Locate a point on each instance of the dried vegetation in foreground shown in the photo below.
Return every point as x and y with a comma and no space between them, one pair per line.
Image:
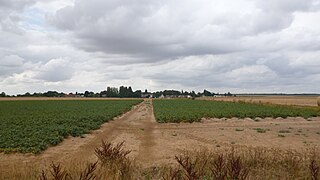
235,162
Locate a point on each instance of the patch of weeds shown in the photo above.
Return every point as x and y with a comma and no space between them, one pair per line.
260,130
232,142
284,131
142,129
239,129
281,135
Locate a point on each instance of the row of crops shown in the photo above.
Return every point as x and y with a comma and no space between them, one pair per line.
32,126
179,110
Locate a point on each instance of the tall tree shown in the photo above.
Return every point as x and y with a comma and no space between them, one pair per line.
3,94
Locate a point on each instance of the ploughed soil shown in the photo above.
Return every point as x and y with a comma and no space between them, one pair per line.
154,144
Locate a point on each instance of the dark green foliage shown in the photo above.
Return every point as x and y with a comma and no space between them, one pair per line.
46,94
3,94
179,110
31,126
125,92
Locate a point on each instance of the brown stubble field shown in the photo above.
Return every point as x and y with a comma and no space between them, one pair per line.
153,144
282,100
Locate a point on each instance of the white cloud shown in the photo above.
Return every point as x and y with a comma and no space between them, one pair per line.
55,70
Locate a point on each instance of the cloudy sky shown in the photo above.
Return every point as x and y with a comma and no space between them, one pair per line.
220,45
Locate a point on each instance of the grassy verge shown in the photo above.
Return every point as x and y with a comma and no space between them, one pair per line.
232,162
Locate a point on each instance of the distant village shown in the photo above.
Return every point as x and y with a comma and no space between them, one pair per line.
124,92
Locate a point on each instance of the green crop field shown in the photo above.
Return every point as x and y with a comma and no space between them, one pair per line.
31,126
178,110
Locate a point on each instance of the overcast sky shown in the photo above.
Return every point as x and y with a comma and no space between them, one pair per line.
219,45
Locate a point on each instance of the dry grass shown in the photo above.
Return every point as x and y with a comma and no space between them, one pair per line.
234,162
284,100
112,163
246,163
318,101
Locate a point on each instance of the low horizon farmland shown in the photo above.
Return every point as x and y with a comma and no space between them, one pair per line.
137,146
32,126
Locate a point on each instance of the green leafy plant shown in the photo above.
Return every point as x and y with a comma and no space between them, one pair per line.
33,126
183,110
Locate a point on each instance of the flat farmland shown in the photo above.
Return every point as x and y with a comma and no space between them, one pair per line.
32,126
154,145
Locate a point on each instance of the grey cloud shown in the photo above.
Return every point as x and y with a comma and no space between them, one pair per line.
152,30
10,14
287,5
15,4
277,15
10,64
11,61
243,46
148,29
266,76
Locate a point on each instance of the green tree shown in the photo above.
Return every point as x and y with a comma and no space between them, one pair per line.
112,92
137,93
207,93
3,94
86,94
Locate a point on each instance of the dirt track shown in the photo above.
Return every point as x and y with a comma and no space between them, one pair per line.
152,143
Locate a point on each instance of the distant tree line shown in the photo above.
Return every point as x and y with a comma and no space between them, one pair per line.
46,94
121,92
186,93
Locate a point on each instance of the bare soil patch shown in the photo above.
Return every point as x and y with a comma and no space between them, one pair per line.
154,144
